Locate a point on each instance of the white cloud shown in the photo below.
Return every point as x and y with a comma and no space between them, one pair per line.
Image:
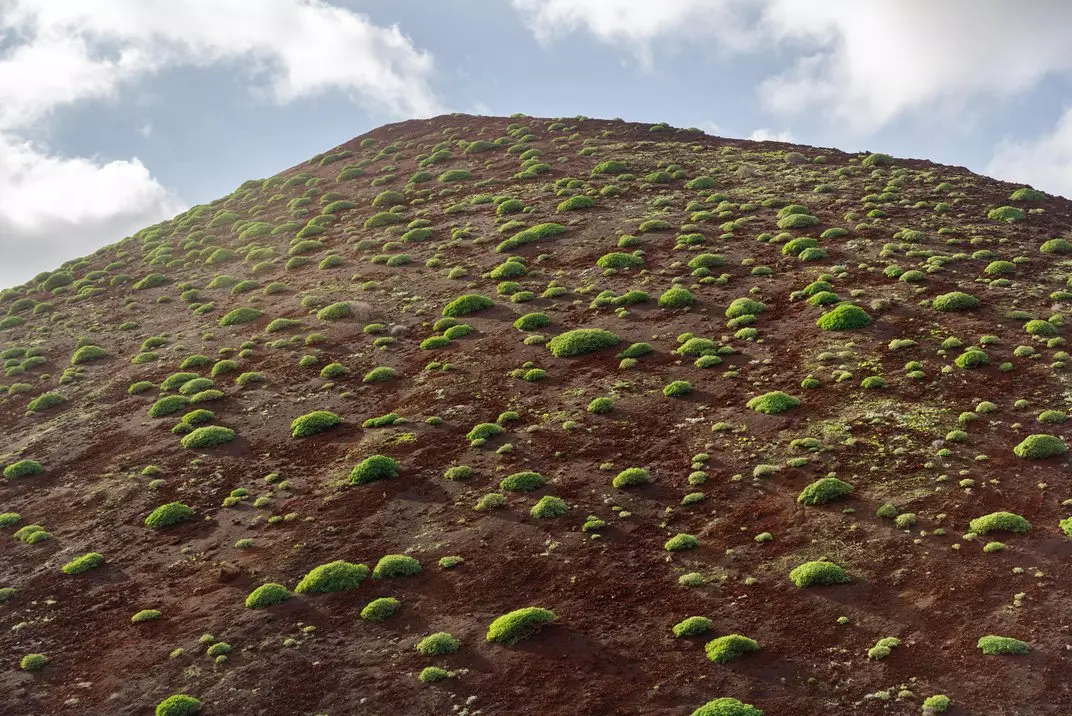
765,135
863,64
56,208
1044,162
56,53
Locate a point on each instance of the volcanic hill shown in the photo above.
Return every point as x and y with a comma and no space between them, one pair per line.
499,416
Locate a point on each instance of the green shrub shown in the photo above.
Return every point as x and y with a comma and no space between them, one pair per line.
824,490
681,541
955,301
522,482
381,609
313,423
267,595
1065,525
844,317
549,506
167,515
1008,214
374,467
530,235
972,358
433,674
469,303
240,316
581,341
744,307
392,566
519,624
86,354
727,706
1008,521
731,647
46,401
483,431
797,221
812,574
84,563
33,662
676,297
208,437
9,519
334,370
610,167
150,281
146,615
532,322
379,374
693,626
1044,329
992,645
1039,447
453,175
601,405
939,703
23,468
618,260
677,388
438,644
337,576
383,218
773,403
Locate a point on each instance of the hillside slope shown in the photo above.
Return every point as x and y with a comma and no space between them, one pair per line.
799,355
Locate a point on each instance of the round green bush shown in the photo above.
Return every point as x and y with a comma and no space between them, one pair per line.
84,563
575,202
337,576
745,307
167,515
581,341
812,574
955,301
33,662
631,477
469,303
532,322
939,703
381,609
1045,329
731,647
438,644
676,297
727,706
335,311
433,674
972,358
372,468
773,403
677,388
844,317
549,506
619,260
519,624
483,431
178,705
693,626
207,437
1008,521
1039,447
23,468
46,401
396,565
601,405
681,541
240,316
313,423
88,353
267,595
992,645
522,482
824,490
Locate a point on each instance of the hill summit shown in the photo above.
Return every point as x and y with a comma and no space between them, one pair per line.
548,416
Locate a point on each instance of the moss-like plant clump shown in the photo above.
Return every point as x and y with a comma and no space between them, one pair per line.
438,644
549,506
392,566
337,576
381,609
729,648
955,301
1040,447
992,645
1007,521
469,303
241,316
267,595
844,317
519,624
631,477
167,515
823,490
23,468
727,706
581,341
773,403
373,468
314,423
821,574
84,563
693,626
207,437
681,542
522,482
178,705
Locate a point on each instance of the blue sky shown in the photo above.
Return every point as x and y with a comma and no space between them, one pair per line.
117,113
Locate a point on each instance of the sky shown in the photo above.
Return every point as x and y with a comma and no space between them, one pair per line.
116,114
